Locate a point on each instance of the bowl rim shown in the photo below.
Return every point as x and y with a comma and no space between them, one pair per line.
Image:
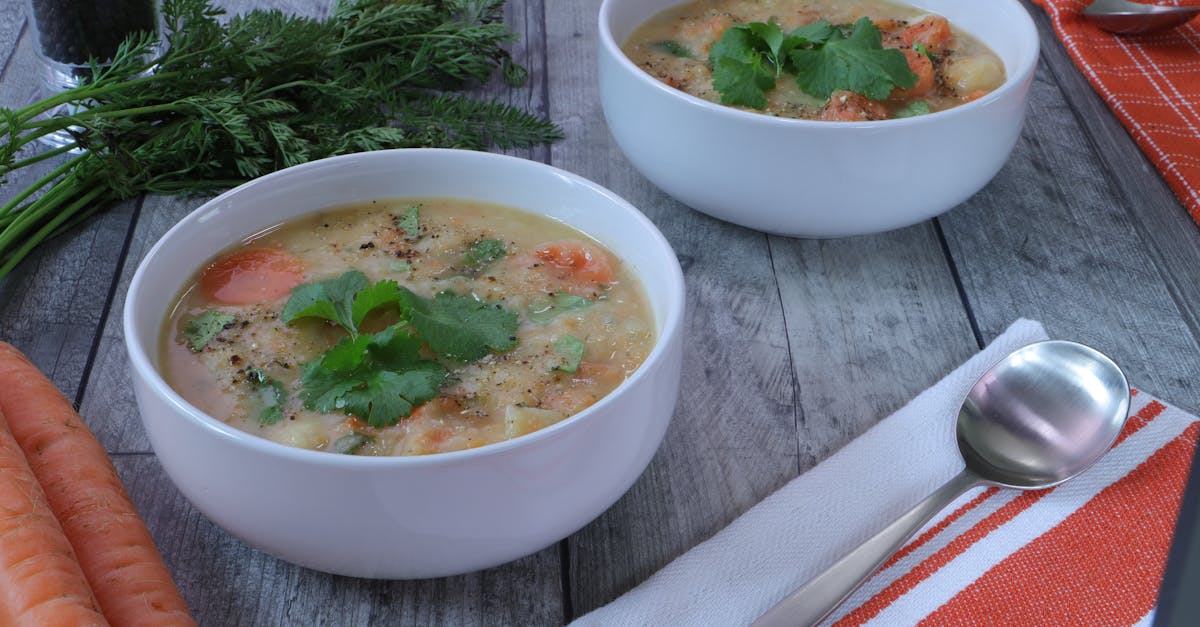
1025,27
142,365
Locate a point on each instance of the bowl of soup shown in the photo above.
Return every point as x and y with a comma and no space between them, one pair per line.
407,364
816,118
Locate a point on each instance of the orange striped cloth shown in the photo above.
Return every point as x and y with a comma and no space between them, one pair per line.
1090,551
1152,84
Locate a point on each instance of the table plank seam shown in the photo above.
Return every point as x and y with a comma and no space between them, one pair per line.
1116,181
958,284
797,406
118,272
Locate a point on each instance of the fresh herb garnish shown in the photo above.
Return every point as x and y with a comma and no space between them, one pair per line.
748,59
201,329
271,393
673,47
408,222
920,47
914,108
542,312
232,98
482,254
570,348
381,377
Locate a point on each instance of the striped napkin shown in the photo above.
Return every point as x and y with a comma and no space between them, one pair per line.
1088,552
1152,84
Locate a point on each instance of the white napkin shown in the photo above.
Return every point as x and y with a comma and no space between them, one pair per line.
810,523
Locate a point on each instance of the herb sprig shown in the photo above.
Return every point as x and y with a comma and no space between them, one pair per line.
381,377
749,59
232,100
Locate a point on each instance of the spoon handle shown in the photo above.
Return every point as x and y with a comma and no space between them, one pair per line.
817,599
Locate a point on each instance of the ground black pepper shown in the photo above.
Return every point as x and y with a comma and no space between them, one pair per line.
73,31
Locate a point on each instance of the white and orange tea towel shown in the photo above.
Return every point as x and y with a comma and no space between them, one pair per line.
1088,552
1151,82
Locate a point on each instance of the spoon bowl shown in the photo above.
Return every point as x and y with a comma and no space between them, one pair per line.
1038,417
1133,18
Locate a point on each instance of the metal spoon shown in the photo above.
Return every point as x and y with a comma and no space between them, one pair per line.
1133,18
1040,416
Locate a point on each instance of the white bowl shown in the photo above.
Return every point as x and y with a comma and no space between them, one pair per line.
408,517
807,178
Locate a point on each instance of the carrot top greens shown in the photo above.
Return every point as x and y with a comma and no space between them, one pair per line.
230,99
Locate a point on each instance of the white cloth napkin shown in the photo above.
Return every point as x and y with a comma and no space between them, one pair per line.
811,522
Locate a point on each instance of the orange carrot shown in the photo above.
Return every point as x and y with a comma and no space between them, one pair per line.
847,106
115,550
923,68
252,276
933,32
578,260
40,580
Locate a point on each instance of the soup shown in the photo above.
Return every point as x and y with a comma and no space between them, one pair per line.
406,327
800,58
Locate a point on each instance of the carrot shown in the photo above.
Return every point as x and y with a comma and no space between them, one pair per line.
847,106
40,580
252,276
923,68
933,32
577,260
115,550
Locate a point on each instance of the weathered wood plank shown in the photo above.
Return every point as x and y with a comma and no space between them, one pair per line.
871,322
732,440
51,306
1052,239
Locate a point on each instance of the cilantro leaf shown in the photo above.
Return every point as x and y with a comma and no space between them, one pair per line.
408,222
813,33
332,299
271,394
201,329
673,48
482,254
771,36
571,349
395,348
543,312
742,68
381,397
371,298
914,108
463,328
386,396
920,47
858,63
347,354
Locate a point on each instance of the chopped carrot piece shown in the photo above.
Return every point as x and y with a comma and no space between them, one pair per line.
847,106
252,276
923,68
933,32
573,259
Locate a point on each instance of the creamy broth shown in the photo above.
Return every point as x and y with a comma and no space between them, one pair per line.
674,48
558,282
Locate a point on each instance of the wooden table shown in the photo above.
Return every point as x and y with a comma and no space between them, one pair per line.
793,347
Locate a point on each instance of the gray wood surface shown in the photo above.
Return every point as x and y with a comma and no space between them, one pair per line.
793,347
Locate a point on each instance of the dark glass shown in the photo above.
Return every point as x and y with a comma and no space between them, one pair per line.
71,32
